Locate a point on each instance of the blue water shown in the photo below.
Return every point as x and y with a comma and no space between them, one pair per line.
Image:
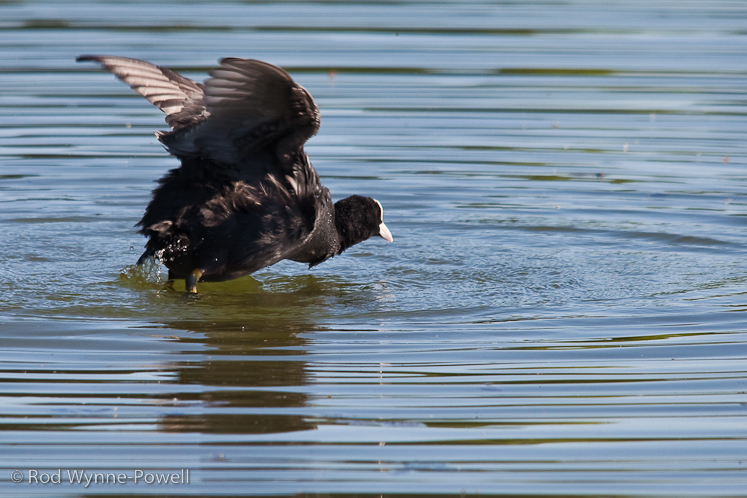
560,312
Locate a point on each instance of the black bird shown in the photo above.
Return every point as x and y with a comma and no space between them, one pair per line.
245,195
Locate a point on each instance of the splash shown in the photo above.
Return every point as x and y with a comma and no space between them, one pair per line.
148,274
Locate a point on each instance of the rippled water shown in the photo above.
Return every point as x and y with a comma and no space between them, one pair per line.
560,313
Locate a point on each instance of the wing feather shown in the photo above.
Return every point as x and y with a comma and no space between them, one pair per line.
179,97
245,109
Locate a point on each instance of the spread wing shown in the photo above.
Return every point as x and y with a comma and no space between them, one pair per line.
247,109
254,102
180,98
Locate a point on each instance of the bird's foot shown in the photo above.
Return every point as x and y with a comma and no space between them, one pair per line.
192,279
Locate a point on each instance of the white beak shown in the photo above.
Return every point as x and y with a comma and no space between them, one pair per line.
383,230
385,233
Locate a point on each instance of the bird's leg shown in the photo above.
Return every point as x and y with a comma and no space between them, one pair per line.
192,279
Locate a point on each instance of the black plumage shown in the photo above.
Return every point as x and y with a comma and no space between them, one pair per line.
245,195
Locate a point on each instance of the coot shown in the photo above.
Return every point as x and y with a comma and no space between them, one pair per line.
245,195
